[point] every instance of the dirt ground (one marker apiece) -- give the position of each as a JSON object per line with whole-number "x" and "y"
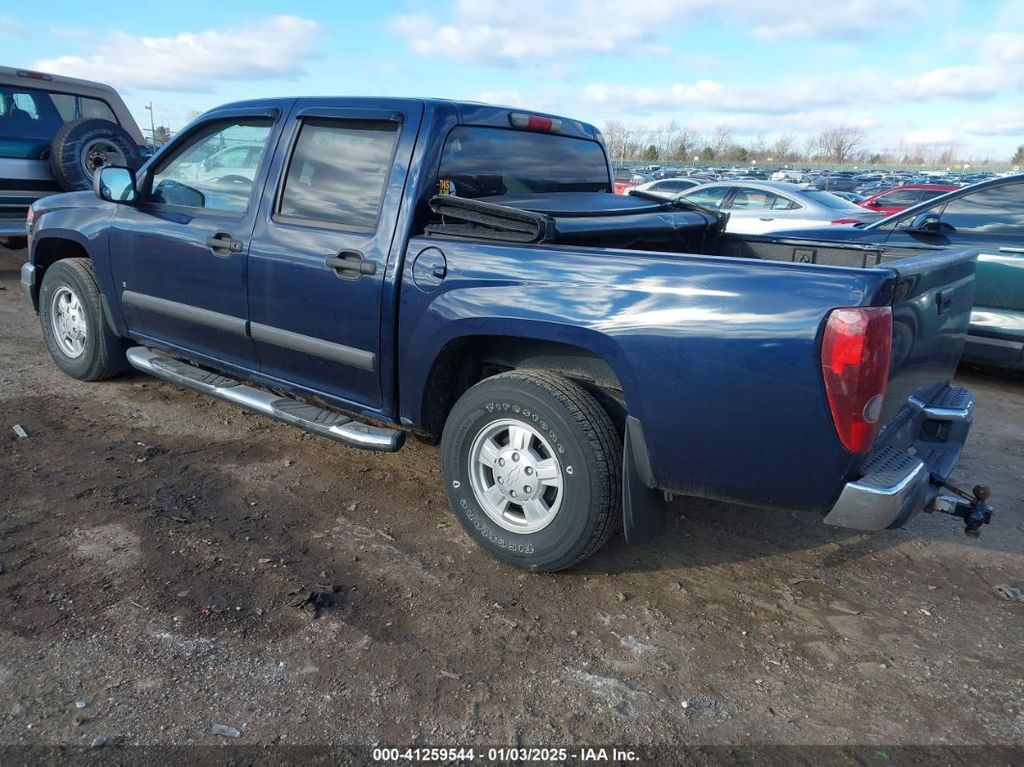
{"x": 155, "y": 546}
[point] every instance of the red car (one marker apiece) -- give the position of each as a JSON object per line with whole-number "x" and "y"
{"x": 894, "y": 200}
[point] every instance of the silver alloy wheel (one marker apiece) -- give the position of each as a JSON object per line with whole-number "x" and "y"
{"x": 100, "y": 152}
{"x": 515, "y": 476}
{"x": 67, "y": 321}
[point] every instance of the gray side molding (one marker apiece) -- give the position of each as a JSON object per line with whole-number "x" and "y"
{"x": 225, "y": 322}
{"x": 286, "y": 339}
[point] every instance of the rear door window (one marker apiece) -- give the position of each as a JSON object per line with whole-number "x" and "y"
{"x": 338, "y": 171}
{"x": 748, "y": 198}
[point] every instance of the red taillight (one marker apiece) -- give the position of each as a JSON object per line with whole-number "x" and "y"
{"x": 855, "y": 354}
{"x": 534, "y": 122}
{"x": 847, "y": 221}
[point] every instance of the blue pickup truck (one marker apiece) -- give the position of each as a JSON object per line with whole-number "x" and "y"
{"x": 370, "y": 268}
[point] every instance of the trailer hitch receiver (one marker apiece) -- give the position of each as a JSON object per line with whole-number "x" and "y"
{"x": 973, "y": 509}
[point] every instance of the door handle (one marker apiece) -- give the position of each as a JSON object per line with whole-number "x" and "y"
{"x": 223, "y": 244}
{"x": 1010, "y": 250}
{"x": 763, "y": 218}
{"x": 351, "y": 264}
{"x": 943, "y": 301}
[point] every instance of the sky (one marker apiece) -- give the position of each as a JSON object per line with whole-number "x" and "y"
{"x": 924, "y": 72}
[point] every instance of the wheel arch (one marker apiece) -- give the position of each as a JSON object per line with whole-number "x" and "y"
{"x": 466, "y": 360}
{"x": 48, "y": 250}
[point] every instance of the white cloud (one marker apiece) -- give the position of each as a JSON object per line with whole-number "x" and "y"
{"x": 527, "y": 31}
{"x": 507, "y": 98}
{"x": 999, "y": 69}
{"x": 276, "y": 47}
{"x": 497, "y": 32}
{"x": 1008, "y": 123}
{"x": 797, "y": 93}
{"x": 929, "y": 136}
{"x": 850, "y": 19}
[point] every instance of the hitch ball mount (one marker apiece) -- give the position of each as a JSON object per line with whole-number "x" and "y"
{"x": 973, "y": 509}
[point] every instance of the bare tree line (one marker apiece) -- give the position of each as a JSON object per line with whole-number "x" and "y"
{"x": 839, "y": 145}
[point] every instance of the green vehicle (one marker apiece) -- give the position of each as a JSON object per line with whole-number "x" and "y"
{"x": 988, "y": 217}
{"x": 54, "y": 133}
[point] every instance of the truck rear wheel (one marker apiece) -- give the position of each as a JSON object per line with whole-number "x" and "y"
{"x": 532, "y": 469}
{"x": 74, "y": 329}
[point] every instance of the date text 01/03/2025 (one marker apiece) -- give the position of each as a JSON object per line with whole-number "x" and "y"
{"x": 535, "y": 754}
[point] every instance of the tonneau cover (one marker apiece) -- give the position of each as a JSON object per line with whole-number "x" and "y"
{"x": 593, "y": 219}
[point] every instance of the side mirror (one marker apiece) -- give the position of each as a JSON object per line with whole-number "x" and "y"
{"x": 926, "y": 222}
{"x": 875, "y": 204}
{"x": 114, "y": 184}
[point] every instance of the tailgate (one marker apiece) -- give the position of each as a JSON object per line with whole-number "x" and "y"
{"x": 931, "y": 312}
{"x": 925, "y": 421}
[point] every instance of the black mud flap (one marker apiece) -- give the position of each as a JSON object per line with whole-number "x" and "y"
{"x": 643, "y": 507}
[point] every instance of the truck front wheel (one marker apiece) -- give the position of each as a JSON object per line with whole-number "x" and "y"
{"x": 532, "y": 469}
{"x": 74, "y": 329}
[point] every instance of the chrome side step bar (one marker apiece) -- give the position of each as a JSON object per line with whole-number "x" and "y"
{"x": 316, "y": 420}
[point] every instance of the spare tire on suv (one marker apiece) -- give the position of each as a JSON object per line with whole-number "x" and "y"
{"x": 83, "y": 146}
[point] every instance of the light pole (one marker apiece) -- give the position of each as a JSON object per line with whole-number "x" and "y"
{"x": 152, "y": 124}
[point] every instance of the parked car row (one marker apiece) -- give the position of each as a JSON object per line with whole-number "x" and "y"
{"x": 847, "y": 182}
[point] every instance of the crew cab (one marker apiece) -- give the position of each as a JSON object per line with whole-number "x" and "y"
{"x": 465, "y": 273}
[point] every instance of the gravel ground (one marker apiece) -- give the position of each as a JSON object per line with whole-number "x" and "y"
{"x": 176, "y": 571}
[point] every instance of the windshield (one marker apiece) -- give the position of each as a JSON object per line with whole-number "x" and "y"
{"x": 482, "y": 162}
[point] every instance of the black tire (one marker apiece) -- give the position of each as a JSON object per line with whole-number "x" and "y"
{"x": 77, "y": 148}
{"x": 566, "y": 421}
{"x": 103, "y": 352}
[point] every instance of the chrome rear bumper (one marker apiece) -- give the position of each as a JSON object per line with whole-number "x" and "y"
{"x": 896, "y": 482}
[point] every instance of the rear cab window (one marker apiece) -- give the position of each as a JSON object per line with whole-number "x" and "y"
{"x": 484, "y": 162}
